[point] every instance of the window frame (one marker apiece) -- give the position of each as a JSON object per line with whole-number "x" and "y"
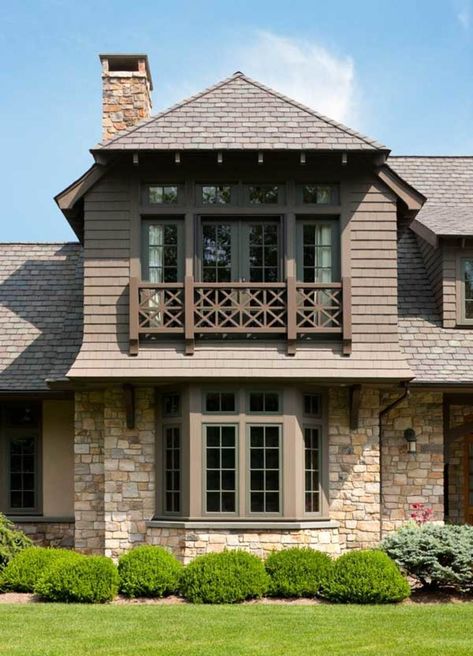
{"x": 165, "y": 426}
{"x": 314, "y": 425}
{"x": 234, "y": 194}
{"x": 263, "y": 413}
{"x": 145, "y": 194}
{"x": 281, "y": 197}
{"x": 334, "y": 222}
{"x": 6, "y": 434}
{"x": 215, "y": 413}
{"x": 335, "y": 194}
{"x": 146, "y": 222}
{"x": 321, "y": 422}
{"x": 257, "y": 514}
{"x": 462, "y": 320}
{"x": 203, "y": 470}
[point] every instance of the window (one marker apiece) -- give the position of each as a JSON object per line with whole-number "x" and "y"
{"x": 220, "y": 469}
{"x": 172, "y": 469}
{"x": 312, "y": 405}
{"x": 466, "y": 283}
{"x": 216, "y": 194}
{"x": 267, "y": 402}
{"x": 312, "y": 469}
{"x": 163, "y": 250}
{"x": 264, "y": 469}
{"x": 241, "y": 250}
{"x": 220, "y": 402}
{"x": 171, "y": 405}
{"x": 317, "y": 251}
{"x": 320, "y": 194}
{"x": 161, "y": 194}
{"x": 20, "y": 432}
{"x": 263, "y": 194}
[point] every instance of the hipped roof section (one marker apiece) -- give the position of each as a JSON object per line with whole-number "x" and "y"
{"x": 239, "y": 113}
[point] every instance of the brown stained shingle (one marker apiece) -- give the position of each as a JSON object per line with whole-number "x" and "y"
{"x": 435, "y": 354}
{"x": 40, "y": 313}
{"x": 447, "y": 182}
{"x": 240, "y": 113}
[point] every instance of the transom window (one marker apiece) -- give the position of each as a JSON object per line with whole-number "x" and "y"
{"x": 20, "y": 430}
{"x": 163, "y": 250}
{"x": 162, "y": 194}
{"x": 264, "y": 402}
{"x": 320, "y": 194}
{"x": 241, "y": 250}
{"x": 312, "y": 405}
{"x": 171, "y": 405}
{"x": 217, "y": 194}
{"x": 467, "y": 289}
{"x": 220, "y": 402}
{"x": 317, "y": 251}
{"x": 263, "y": 194}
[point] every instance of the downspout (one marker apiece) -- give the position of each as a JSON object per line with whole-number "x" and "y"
{"x": 385, "y": 411}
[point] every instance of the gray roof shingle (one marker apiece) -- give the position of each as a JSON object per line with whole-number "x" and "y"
{"x": 447, "y": 182}
{"x": 40, "y": 313}
{"x": 240, "y": 113}
{"x": 435, "y": 354}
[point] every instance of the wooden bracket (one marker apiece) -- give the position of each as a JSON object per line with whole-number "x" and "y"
{"x": 129, "y": 405}
{"x": 355, "y": 397}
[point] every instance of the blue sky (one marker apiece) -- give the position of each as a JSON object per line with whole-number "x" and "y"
{"x": 400, "y": 71}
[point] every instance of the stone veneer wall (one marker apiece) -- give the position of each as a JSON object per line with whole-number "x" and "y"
{"x": 412, "y": 477}
{"x": 189, "y": 543}
{"x": 459, "y": 414}
{"x": 49, "y": 534}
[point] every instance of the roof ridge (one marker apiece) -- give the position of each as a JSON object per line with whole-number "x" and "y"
{"x": 313, "y": 112}
{"x": 172, "y": 108}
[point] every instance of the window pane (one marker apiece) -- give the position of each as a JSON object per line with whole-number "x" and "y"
{"x": 264, "y": 469}
{"x": 468, "y": 288}
{"x": 317, "y": 252}
{"x": 220, "y": 475}
{"x": 22, "y": 468}
{"x": 256, "y": 402}
{"x": 162, "y": 194}
{"x": 172, "y": 474}
{"x": 311, "y": 404}
{"x": 264, "y": 402}
{"x": 220, "y": 402}
{"x": 163, "y": 252}
{"x": 264, "y": 252}
{"x": 227, "y": 400}
{"x": 171, "y": 405}
{"x": 263, "y": 194}
{"x": 320, "y": 194}
{"x": 216, "y": 252}
{"x": 312, "y": 469}
{"x": 216, "y": 194}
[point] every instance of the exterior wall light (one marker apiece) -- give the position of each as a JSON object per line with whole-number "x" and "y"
{"x": 411, "y": 439}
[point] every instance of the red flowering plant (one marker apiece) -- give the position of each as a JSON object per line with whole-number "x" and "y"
{"x": 421, "y": 514}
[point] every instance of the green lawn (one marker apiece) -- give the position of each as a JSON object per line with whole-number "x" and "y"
{"x": 433, "y": 630}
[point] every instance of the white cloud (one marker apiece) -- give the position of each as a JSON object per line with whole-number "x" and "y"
{"x": 304, "y": 71}
{"x": 464, "y": 17}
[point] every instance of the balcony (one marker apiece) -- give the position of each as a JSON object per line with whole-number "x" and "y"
{"x": 191, "y": 309}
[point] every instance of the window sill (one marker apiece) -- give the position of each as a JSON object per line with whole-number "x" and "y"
{"x": 249, "y": 524}
{"x": 39, "y": 519}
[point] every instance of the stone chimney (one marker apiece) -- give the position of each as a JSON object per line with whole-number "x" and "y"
{"x": 126, "y": 92}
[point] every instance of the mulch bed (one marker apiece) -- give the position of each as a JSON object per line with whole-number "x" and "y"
{"x": 418, "y": 596}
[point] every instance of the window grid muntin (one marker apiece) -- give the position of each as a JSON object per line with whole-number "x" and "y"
{"x": 22, "y": 477}
{"x": 216, "y": 194}
{"x": 312, "y": 404}
{"x": 217, "y": 266}
{"x": 162, "y": 194}
{"x": 317, "y": 248}
{"x": 222, "y": 495}
{"x": 467, "y": 288}
{"x": 171, "y": 404}
{"x": 264, "y": 445}
{"x": 312, "y": 461}
{"x": 264, "y": 194}
{"x": 163, "y": 252}
{"x": 172, "y": 469}
{"x": 264, "y": 252}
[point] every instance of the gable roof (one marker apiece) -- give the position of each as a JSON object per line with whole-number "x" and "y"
{"x": 40, "y": 313}
{"x": 239, "y": 113}
{"x": 447, "y": 182}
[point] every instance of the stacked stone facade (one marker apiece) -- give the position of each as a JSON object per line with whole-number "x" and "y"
{"x": 458, "y": 414}
{"x": 126, "y": 98}
{"x": 370, "y": 492}
{"x": 49, "y": 534}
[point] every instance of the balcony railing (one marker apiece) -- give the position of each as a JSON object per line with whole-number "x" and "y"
{"x": 291, "y": 309}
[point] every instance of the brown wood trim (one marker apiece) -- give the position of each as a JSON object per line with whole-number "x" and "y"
{"x": 467, "y": 506}
{"x": 424, "y": 233}
{"x": 346, "y": 316}
{"x": 291, "y": 315}
{"x": 134, "y": 316}
{"x": 189, "y": 314}
{"x": 410, "y": 196}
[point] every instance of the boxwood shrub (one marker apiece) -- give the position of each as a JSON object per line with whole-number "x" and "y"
{"x": 366, "y": 577}
{"x": 149, "y": 571}
{"x": 437, "y": 556}
{"x": 297, "y": 572}
{"x": 224, "y": 578}
{"x": 12, "y": 541}
{"x": 26, "y": 568}
{"x": 78, "y": 578}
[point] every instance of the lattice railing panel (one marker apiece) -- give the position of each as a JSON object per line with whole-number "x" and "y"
{"x": 319, "y": 308}
{"x": 239, "y": 307}
{"x": 161, "y": 308}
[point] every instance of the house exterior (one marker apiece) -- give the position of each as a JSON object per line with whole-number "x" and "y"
{"x": 261, "y": 338}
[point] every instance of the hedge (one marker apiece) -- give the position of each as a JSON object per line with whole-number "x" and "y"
{"x": 149, "y": 571}
{"x": 297, "y": 572}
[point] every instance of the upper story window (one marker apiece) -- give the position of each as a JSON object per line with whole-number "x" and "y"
{"x": 163, "y": 259}
{"x": 320, "y": 194}
{"x": 264, "y": 194}
{"x": 466, "y": 285}
{"x": 161, "y": 194}
{"x": 318, "y": 257}
{"x": 215, "y": 194}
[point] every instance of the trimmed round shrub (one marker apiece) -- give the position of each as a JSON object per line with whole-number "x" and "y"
{"x": 27, "y": 567}
{"x": 12, "y": 541}
{"x": 297, "y": 572}
{"x": 366, "y": 577}
{"x": 149, "y": 571}
{"x": 83, "y": 579}
{"x": 437, "y": 556}
{"x": 224, "y": 578}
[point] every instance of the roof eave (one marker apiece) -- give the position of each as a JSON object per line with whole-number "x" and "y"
{"x": 413, "y": 199}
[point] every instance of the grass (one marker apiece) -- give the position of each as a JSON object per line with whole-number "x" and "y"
{"x": 250, "y": 630}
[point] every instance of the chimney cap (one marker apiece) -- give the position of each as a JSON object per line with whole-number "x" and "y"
{"x": 123, "y": 61}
